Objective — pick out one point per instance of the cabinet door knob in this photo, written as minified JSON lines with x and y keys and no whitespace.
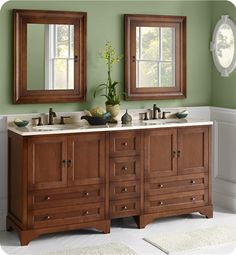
{"x":125,"y":143}
{"x":86,"y":212}
{"x":125,"y":168}
{"x":86,"y":193}
{"x":125,"y":207}
{"x":47,"y":217}
{"x":193,"y":181}
{"x":173,"y":154}
{"x":178,"y":153}
{"x":64,"y":162}
{"x":193,"y":198}
{"x":69,"y":163}
{"x":47,"y":198}
{"x":125,"y":190}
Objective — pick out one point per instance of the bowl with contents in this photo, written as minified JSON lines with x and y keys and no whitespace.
{"x":182,"y":114}
{"x":96,"y":116}
{"x":21,"y":123}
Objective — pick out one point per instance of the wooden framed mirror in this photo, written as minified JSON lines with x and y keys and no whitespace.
{"x":155,"y":57}
{"x":49,"y":56}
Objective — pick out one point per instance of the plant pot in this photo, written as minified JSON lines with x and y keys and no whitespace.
{"x":114,"y":111}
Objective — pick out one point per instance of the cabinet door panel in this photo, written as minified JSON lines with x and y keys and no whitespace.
{"x":160,"y":152}
{"x":45,"y":164}
{"x":87,"y":153}
{"x":193,"y":149}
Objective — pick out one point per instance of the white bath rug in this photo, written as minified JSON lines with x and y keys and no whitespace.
{"x":193,"y":240}
{"x":104,"y":249}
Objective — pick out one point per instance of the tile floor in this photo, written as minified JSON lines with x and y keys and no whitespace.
{"x":125,"y":231}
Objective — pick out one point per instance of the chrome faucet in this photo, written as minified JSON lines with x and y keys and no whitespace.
{"x":51,"y":115}
{"x":154,"y":112}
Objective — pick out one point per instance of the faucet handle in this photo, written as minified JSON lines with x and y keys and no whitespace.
{"x":144,"y":115}
{"x":39,"y":121}
{"x":164,"y":115}
{"x":62,"y":119}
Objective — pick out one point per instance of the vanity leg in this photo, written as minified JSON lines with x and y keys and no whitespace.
{"x":207,"y":211}
{"x":140,"y":221}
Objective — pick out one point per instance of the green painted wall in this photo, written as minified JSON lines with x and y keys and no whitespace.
{"x":35,"y":56}
{"x":105,"y":22}
{"x":223,"y":88}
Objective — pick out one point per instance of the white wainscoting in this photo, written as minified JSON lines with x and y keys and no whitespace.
{"x":224,"y":158}
{"x":3,"y":172}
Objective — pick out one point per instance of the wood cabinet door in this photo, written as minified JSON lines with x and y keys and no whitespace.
{"x":87,"y":154}
{"x":193,"y":150}
{"x":160,"y":152}
{"x":46,"y":162}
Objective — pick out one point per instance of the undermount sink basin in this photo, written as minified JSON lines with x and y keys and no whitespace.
{"x":164,"y":121}
{"x":57,"y":127}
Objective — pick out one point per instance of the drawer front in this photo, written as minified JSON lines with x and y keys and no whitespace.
{"x":183,"y":183}
{"x":124,"y":168}
{"x":124,"y":208}
{"x":176,"y":201}
{"x":66,"y":215}
{"x":72,"y":196}
{"x":122,"y":190}
{"x":124,"y":143}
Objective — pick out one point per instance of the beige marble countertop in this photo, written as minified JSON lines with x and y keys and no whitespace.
{"x":83,"y":127}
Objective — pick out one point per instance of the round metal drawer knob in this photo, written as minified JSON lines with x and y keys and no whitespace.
{"x":86,"y":193}
{"x":193,"y":198}
{"x":48,"y":198}
{"x":125,"y":190}
{"x":86,"y":212}
{"x":125,"y":143}
{"x":125,"y":168}
{"x":125,"y":208}
{"x":161,"y":203}
{"x":48,"y":217}
{"x":193,"y":182}
{"x":161,"y":185}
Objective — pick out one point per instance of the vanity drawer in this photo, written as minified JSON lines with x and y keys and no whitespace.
{"x":124,"y":208}
{"x":124,"y":143}
{"x":58,"y":197}
{"x":182,"y":183}
{"x":176,"y":201}
{"x":122,"y":190}
{"x":66,"y":215}
{"x":124,"y":168}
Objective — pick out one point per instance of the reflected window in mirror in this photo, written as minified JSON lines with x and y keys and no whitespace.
{"x":52,"y":65}
{"x":155,"y":59}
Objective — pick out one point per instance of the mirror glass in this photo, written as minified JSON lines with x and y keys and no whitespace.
{"x":225,"y":45}
{"x":155,"y":57}
{"x":50,"y":57}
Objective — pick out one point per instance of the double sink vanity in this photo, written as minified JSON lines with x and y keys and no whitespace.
{"x":72,"y":176}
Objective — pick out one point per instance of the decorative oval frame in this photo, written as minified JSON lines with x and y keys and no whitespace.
{"x":223,"y":71}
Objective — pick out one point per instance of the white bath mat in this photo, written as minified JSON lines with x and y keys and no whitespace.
{"x":192,"y":240}
{"x":104,"y":249}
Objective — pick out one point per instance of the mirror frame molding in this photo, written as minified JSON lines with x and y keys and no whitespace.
{"x":23,"y":17}
{"x":179,"y":23}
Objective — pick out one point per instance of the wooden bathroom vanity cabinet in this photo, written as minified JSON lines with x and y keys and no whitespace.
{"x":60,"y":182}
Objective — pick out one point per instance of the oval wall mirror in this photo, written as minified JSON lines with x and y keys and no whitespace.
{"x":223,"y":46}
